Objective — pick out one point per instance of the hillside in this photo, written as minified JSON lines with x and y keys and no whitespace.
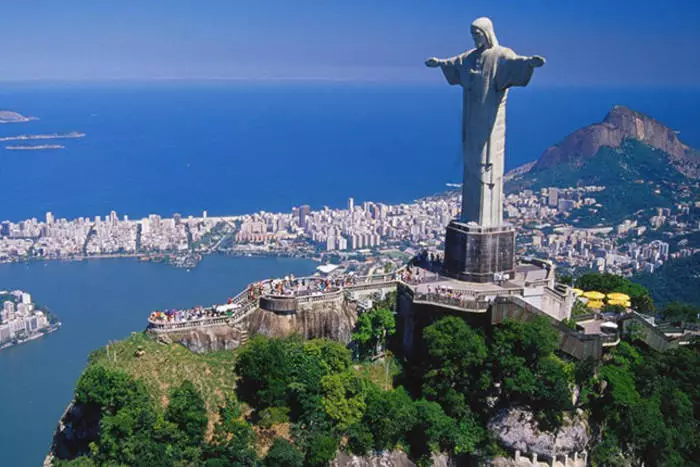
{"x":675,"y":281}
{"x":641,"y":162}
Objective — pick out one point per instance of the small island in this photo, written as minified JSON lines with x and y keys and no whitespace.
{"x":21,"y":320}
{"x":7,"y":116}
{"x":71,"y":135}
{"x":30,"y":147}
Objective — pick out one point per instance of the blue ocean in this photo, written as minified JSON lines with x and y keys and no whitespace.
{"x":231,"y":147}
{"x":228,"y":148}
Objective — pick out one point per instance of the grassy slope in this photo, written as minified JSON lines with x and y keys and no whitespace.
{"x":164,"y":366}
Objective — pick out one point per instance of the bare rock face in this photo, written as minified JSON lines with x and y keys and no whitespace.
{"x":387,"y":459}
{"x":77,"y":428}
{"x":619,"y":125}
{"x":516,"y":429}
{"x":211,"y":339}
{"x":333,"y":320}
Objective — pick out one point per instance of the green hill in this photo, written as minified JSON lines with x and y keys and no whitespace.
{"x":675,"y":281}
{"x":640,"y":162}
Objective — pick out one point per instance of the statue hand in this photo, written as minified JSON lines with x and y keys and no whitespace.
{"x":537,"y":61}
{"x":432,"y":62}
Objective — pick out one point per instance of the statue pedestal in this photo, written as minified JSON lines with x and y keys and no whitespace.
{"x":479,"y":254}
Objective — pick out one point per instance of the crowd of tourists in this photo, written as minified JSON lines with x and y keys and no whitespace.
{"x":417,"y":275}
{"x":193,"y":314}
{"x":448,"y":295}
{"x":290,"y":286}
{"x":286,"y":286}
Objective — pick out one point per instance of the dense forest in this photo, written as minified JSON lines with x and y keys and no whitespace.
{"x":297,"y":402}
{"x":676,"y":281}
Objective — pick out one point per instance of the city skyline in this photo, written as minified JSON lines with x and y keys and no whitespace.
{"x":358,"y":41}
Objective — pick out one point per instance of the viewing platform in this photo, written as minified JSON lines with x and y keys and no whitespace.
{"x":282,"y":296}
{"x":423,"y":291}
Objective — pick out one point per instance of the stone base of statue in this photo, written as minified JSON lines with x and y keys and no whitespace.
{"x":479,"y":254}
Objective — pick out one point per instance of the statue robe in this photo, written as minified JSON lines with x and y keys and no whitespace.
{"x":485,"y":76}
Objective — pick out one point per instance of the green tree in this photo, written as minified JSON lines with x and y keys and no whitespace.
{"x":372,"y":330}
{"x":522,"y":358}
{"x":360,"y":438}
{"x":434,"y":430}
{"x":343,"y":398}
{"x":455,"y":368}
{"x":282,"y":453}
{"x":264,"y":370}
{"x":188,"y":412}
{"x":388,"y":416}
{"x":109,"y":389}
{"x":321,"y":449}
{"x":678,"y":312}
{"x":233,"y":445}
{"x":566,"y":279}
{"x":335,"y":356}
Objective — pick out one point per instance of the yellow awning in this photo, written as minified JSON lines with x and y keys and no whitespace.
{"x":594,"y":295}
{"x":578,"y":292}
{"x":597,"y":304}
{"x":619,"y":296}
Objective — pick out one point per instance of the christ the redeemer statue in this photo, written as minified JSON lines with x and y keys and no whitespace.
{"x":485,"y":74}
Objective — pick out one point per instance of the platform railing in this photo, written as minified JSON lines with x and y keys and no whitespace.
{"x":248,"y":304}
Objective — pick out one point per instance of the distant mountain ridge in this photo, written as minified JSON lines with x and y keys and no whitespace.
{"x":621,"y":124}
{"x":639,"y":160}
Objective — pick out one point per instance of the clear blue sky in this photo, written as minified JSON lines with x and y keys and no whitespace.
{"x":589,"y":42}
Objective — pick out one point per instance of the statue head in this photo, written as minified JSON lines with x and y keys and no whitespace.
{"x":483,"y":33}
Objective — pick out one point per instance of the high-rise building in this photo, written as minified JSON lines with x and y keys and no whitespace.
{"x":304,"y":212}
{"x":565,"y":204}
{"x":351,"y":204}
{"x":342,"y":243}
{"x":49,"y":218}
{"x":9,"y":309}
{"x":553,"y":200}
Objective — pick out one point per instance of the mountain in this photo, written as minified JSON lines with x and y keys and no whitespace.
{"x":639,"y":160}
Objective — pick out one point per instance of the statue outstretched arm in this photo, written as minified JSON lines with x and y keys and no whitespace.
{"x":449,"y":66}
{"x":515,"y":70}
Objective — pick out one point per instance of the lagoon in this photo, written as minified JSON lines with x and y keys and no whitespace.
{"x":98,"y":301}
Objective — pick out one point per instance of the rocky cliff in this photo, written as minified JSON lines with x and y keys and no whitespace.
{"x":211,"y":339}
{"x":619,"y":125}
{"x":333,"y":319}
{"x":388,"y":459}
{"x":77,"y":428}
{"x":517,"y":430}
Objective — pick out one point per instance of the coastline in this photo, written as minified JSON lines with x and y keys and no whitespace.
{"x":53,"y":328}
{"x":149,"y":256}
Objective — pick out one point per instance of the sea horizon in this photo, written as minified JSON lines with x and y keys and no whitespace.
{"x":233,"y":149}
